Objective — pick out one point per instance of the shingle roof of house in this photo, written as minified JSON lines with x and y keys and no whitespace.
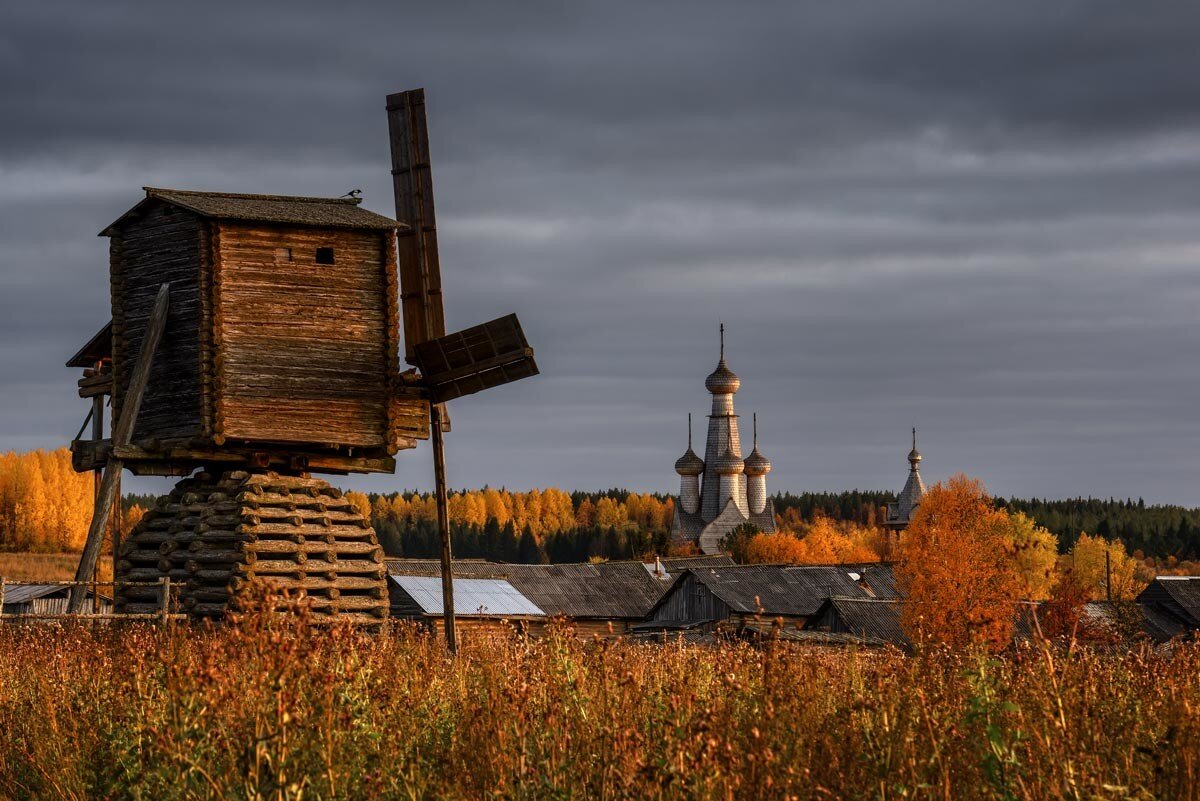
{"x":872,"y":619}
{"x":23,"y":593}
{"x":1171,"y":605}
{"x":321,"y":212}
{"x":798,"y":590}
{"x":472,"y":597}
{"x":602,"y":590}
{"x":1184,"y":591}
{"x":674,"y":564}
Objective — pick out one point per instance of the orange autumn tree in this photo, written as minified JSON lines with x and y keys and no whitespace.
{"x":779,"y":548}
{"x":957,"y":568}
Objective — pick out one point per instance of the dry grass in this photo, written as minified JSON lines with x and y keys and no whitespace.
{"x":275,"y":710}
{"x":46,"y":566}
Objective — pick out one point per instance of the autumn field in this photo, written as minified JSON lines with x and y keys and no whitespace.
{"x":274,"y":709}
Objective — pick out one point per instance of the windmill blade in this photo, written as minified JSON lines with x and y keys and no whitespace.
{"x":412,"y":181}
{"x":477,"y":358}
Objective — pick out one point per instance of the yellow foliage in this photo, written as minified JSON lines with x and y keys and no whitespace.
{"x":45,"y":505}
{"x":1036,"y":553}
{"x":1086,"y":565}
{"x":773,"y":549}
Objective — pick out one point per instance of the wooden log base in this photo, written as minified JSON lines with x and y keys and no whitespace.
{"x":215,"y":535}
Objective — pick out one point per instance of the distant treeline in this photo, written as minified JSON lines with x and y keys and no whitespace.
{"x":553,"y":526}
{"x":1157,"y":531}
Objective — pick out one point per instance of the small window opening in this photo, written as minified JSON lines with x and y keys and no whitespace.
{"x":283,"y":254}
{"x":324,"y":256}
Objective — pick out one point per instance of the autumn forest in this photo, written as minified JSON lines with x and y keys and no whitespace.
{"x":45,"y":507}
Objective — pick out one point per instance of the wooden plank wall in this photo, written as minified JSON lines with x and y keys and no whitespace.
{"x":162,"y":245}
{"x":302,"y":349}
{"x":690,"y":601}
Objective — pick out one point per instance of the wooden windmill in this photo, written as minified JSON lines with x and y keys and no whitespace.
{"x":256,"y":339}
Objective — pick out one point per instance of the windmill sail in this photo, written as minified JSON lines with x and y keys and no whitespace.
{"x":412,"y":180}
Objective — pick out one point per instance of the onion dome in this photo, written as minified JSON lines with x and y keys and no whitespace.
{"x":757,"y":464}
{"x":728,"y":464}
{"x":914,"y":458}
{"x":689,"y":464}
{"x":722,"y":381}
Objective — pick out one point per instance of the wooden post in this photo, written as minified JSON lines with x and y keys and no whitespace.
{"x":1107,"y":574}
{"x":164,"y":599}
{"x":122,"y":435}
{"x":439,"y":479}
{"x":2,"y":583}
{"x":98,"y":479}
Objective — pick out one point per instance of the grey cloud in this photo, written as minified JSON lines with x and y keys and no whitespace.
{"x":974,"y":218}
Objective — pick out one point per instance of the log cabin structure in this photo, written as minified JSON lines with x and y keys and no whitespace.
{"x":281,"y":342}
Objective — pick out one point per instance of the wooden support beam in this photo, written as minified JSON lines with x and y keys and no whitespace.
{"x":122,"y":434}
{"x":439,"y":480}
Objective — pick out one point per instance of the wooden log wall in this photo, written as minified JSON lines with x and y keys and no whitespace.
{"x":158,"y":246}
{"x":305,"y":352}
{"x":214,"y":536}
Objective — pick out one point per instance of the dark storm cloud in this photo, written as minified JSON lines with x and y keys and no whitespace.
{"x":976,"y":218}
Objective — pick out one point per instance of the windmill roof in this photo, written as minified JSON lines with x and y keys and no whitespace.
{"x":319,"y":212}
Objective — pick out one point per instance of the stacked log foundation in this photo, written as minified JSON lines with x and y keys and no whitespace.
{"x":214,"y":536}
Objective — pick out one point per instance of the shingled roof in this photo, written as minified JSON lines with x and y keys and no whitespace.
{"x":874,"y":620}
{"x":606,"y":590}
{"x":97,"y":348}
{"x":797,"y":590}
{"x":319,"y":212}
{"x":1172,"y":606}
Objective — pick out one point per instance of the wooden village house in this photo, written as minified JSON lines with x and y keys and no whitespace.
{"x":745,"y":596}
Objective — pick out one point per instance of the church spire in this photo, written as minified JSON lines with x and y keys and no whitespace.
{"x":914,"y":457}
{"x":722,"y":381}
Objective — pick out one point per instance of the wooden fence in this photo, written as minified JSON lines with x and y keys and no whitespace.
{"x":167,"y":601}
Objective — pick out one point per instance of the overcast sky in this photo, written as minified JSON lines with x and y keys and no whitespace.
{"x":977,"y":218}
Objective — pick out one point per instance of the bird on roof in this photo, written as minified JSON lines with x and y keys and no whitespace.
{"x":354,"y":193}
